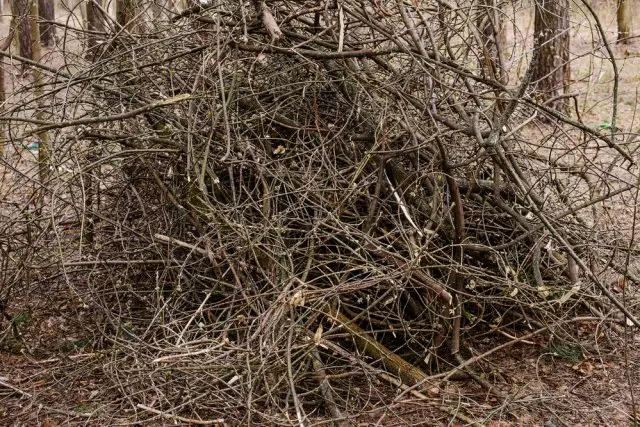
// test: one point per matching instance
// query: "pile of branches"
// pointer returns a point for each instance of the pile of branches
(265, 207)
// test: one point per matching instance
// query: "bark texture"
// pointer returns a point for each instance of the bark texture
(126, 11)
(20, 10)
(47, 14)
(552, 72)
(492, 29)
(623, 16)
(95, 24)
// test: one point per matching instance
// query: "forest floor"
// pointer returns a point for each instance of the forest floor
(56, 378)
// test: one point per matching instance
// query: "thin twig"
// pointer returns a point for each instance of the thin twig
(179, 418)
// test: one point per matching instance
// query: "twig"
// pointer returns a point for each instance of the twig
(407, 372)
(179, 418)
(302, 417)
(97, 120)
(171, 240)
(268, 20)
(325, 387)
(405, 389)
(17, 390)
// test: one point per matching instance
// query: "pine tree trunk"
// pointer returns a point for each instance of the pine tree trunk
(623, 15)
(20, 10)
(552, 72)
(47, 13)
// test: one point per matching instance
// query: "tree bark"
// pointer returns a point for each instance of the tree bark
(20, 10)
(95, 24)
(3, 95)
(492, 30)
(44, 149)
(126, 11)
(493, 36)
(552, 72)
(47, 14)
(623, 16)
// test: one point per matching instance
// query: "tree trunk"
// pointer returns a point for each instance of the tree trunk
(3, 95)
(552, 71)
(493, 36)
(95, 23)
(47, 13)
(44, 149)
(126, 11)
(623, 15)
(492, 31)
(20, 10)
(162, 8)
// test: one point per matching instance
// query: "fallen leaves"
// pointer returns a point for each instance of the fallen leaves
(585, 367)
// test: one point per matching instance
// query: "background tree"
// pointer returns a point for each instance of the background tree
(624, 18)
(552, 71)
(95, 24)
(47, 15)
(493, 40)
(126, 11)
(492, 28)
(20, 11)
(44, 150)
(3, 96)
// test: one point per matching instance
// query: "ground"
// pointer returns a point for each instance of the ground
(56, 377)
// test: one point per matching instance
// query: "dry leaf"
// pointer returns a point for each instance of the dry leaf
(297, 299)
(173, 99)
(318, 335)
(585, 368)
(543, 291)
(38, 383)
(619, 285)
